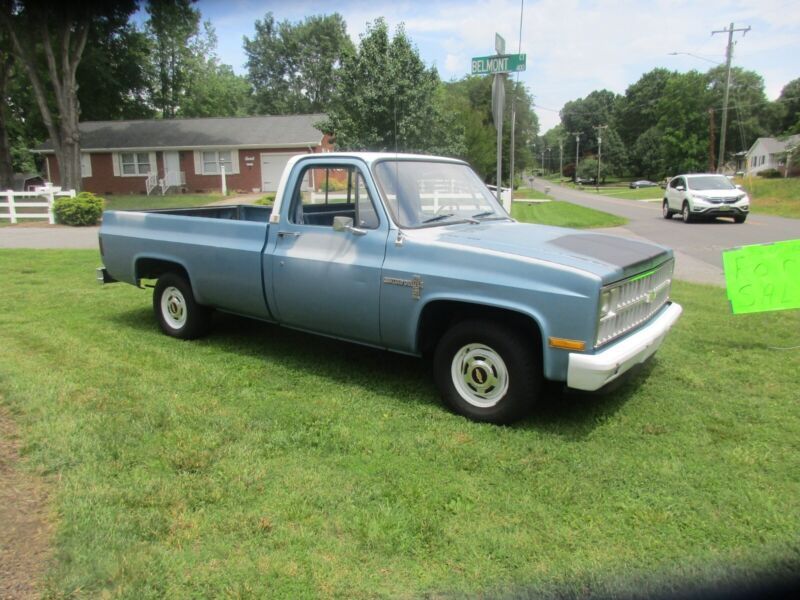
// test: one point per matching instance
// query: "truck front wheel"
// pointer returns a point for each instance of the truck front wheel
(179, 315)
(487, 371)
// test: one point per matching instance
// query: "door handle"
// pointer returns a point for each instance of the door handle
(284, 234)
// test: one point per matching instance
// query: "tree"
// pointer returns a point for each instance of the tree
(470, 101)
(216, 91)
(113, 76)
(587, 169)
(789, 103)
(386, 99)
(583, 114)
(683, 120)
(750, 114)
(647, 157)
(292, 66)
(637, 110)
(174, 31)
(49, 39)
(6, 64)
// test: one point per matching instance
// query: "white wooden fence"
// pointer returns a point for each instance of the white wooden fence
(42, 198)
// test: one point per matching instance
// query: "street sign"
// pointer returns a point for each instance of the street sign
(505, 63)
(499, 44)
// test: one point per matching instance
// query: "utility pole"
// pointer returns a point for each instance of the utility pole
(549, 164)
(728, 57)
(577, 135)
(599, 129)
(541, 162)
(711, 140)
(560, 159)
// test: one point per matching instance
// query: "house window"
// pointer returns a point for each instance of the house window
(135, 163)
(214, 161)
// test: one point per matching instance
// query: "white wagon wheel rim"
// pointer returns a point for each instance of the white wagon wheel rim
(480, 375)
(173, 307)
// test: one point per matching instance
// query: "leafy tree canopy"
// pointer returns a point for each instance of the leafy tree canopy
(293, 66)
(386, 99)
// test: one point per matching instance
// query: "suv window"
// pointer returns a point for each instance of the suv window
(323, 193)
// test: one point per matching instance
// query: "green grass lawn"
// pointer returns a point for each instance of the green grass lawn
(564, 214)
(779, 197)
(265, 462)
(140, 201)
(530, 194)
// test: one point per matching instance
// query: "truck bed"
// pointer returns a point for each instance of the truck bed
(238, 212)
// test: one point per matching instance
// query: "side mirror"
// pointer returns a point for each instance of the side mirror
(346, 224)
(680, 188)
(739, 187)
(342, 223)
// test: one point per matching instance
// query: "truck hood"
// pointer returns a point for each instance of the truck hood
(609, 257)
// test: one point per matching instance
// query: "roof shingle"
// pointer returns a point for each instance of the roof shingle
(261, 132)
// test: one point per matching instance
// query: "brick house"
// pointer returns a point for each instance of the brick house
(155, 156)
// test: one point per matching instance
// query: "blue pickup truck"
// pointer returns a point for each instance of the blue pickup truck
(410, 254)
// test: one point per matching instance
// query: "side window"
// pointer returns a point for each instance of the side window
(674, 183)
(323, 193)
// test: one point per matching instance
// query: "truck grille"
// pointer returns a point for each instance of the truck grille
(633, 301)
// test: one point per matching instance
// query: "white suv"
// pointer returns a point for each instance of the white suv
(705, 195)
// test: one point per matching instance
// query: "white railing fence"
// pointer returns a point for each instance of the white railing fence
(151, 182)
(172, 179)
(41, 198)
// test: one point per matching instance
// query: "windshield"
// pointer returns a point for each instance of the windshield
(420, 193)
(710, 182)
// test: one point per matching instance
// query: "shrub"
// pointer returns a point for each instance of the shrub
(266, 200)
(83, 209)
(770, 173)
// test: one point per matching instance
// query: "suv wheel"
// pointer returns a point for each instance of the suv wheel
(665, 211)
(686, 213)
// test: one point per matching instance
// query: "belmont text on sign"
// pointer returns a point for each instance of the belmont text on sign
(506, 63)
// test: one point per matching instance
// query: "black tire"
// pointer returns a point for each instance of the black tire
(739, 218)
(665, 210)
(178, 314)
(492, 391)
(686, 213)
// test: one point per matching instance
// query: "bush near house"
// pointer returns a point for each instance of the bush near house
(83, 209)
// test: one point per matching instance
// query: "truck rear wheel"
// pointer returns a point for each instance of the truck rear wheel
(178, 314)
(487, 371)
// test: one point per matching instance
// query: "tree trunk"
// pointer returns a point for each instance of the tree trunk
(6, 167)
(70, 38)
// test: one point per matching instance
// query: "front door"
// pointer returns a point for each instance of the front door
(172, 163)
(325, 280)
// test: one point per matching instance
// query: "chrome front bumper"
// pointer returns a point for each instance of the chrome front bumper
(592, 371)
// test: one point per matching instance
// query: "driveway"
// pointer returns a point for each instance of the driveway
(33, 235)
(698, 246)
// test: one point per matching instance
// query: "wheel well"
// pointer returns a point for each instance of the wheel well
(153, 268)
(438, 316)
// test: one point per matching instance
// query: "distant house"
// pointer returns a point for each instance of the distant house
(153, 156)
(768, 153)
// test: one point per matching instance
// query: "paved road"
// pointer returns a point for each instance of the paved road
(698, 246)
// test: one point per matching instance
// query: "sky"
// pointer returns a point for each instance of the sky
(573, 46)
